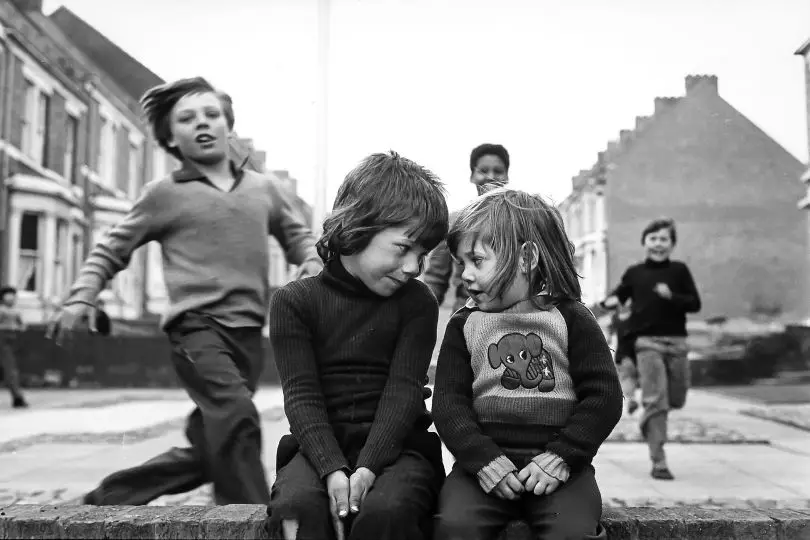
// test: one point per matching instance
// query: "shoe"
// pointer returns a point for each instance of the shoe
(19, 403)
(662, 473)
(632, 406)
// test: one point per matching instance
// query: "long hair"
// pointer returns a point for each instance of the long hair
(506, 220)
(384, 190)
(158, 102)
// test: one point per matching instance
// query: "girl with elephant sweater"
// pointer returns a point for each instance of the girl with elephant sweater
(526, 390)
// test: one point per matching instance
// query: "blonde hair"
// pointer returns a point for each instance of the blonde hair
(508, 220)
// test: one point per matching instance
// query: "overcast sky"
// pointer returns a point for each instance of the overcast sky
(551, 80)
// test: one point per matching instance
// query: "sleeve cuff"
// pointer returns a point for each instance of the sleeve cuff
(497, 469)
(553, 465)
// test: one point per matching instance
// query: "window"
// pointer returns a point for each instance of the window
(135, 170)
(41, 132)
(29, 269)
(78, 256)
(28, 118)
(60, 260)
(106, 152)
(159, 161)
(71, 136)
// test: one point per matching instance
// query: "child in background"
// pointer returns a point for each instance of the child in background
(663, 292)
(526, 390)
(353, 346)
(11, 324)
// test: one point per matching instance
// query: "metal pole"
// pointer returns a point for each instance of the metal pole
(321, 117)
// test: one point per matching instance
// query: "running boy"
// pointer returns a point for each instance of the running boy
(212, 218)
(11, 324)
(663, 292)
(489, 168)
(526, 390)
(353, 346)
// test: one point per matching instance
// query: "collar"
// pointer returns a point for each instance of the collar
(189, 172)
(337, 276)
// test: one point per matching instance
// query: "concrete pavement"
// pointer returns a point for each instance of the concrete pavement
(70, 439)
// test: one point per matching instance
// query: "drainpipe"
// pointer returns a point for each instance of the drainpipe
(7, 84)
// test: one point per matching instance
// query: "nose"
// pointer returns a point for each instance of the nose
(467, 275)
(412, 265)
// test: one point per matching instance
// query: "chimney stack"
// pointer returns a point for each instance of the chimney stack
(694, 81)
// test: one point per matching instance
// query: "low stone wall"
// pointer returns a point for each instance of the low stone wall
(246, 521)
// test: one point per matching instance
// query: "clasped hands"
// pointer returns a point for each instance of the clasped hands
(542, 476)
(346, 494)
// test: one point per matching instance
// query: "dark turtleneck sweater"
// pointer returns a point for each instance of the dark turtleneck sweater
(653, 315)
(348, 357)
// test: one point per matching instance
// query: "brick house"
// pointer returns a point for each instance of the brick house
(731, 189)
(73, 161)
(74, 156)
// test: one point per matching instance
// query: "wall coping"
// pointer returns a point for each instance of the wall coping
(246, 521)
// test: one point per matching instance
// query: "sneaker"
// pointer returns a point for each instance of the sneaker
(19, 403)
(662, 473)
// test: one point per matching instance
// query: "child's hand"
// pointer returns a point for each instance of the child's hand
(663, 290)
(337, 487)
(544, 474)
(509, 488)
(611, 302)
(359, 485)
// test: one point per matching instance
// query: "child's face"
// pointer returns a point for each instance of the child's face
(480, 268)
(9, 299)
(390, 260)
(658, 244)
(489, 169)
(199, 128)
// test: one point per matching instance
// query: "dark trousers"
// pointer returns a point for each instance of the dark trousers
(11, 375)
(572, 512)
(399, 506)
(220, 369)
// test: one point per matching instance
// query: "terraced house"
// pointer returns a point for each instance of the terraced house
(74, 155)
(731, 188)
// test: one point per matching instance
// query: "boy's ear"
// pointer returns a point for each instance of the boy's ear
(529, 257)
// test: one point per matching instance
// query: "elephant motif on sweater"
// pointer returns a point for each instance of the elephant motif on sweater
(526, 362)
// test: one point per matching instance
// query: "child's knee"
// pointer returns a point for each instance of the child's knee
(385, 510)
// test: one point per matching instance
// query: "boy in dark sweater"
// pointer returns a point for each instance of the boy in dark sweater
(212, 218)
(352, 347)
(662, 292)
(489, 168)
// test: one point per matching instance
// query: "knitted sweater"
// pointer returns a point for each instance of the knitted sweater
(524, 380)
(348, 356)
(653, 315)
(214, 244)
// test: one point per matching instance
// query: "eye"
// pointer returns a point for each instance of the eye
(402, 248)
(523, 355)
(510, 359)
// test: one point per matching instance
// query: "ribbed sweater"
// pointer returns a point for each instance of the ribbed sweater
(651, 314)
(524, 380)
(348, 356)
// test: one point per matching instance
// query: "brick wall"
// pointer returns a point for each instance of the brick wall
(732, 191)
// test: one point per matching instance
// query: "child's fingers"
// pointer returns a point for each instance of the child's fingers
(552, 487)
(525, 474)
(514, 484)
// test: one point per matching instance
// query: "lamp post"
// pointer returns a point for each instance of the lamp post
(321, 117)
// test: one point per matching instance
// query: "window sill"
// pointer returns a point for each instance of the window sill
(29, 162)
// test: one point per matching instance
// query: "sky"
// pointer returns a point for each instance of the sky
(552, 80)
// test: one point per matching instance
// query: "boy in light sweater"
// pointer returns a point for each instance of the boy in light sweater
(212, 218)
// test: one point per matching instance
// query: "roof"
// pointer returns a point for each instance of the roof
(804, 48)
(132, 76)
